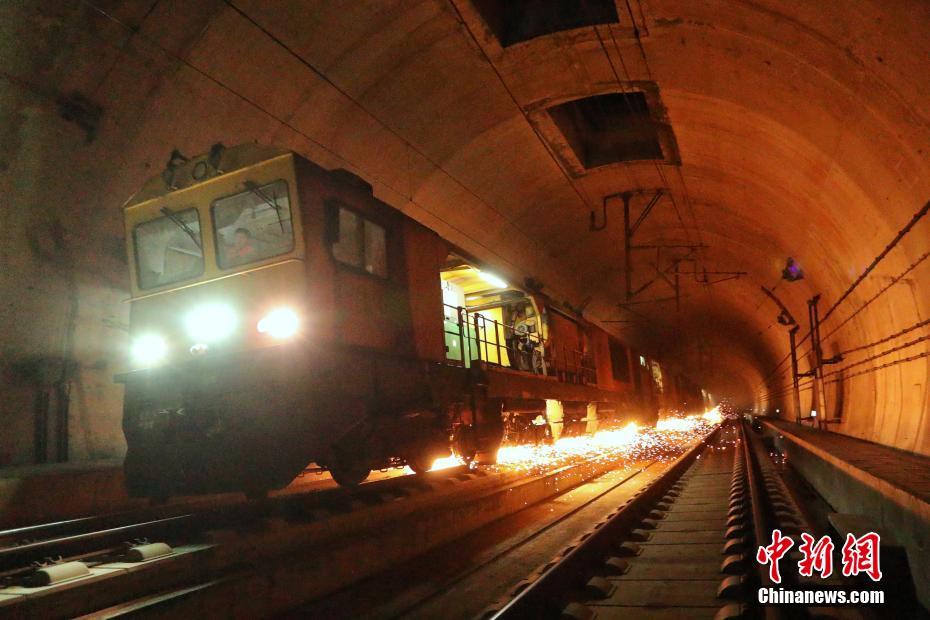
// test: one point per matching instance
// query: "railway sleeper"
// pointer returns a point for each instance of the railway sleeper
(667, 563)
(678, 572)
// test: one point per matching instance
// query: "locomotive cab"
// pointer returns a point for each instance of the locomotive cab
(217, 270)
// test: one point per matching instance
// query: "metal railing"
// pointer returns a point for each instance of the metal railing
(473, 337)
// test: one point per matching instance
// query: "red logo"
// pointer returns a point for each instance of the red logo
(771, 554)
(860, 555)
(817, 556)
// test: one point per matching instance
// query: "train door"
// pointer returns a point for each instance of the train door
(486, 320)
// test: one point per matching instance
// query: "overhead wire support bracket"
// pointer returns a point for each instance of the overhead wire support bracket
(626, 197)
(645, 212)
(785, 318)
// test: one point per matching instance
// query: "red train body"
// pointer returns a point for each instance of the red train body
(406, 347)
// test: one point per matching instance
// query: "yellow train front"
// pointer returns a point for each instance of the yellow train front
(274, 322)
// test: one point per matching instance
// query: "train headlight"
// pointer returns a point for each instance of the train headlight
(210, 323)
(149, 349)
(280, 323)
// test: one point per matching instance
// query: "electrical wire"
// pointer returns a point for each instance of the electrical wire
(918, 215)
(633, 114)
(136, 31)
(319, 73)
(578, 191)
(887, 338)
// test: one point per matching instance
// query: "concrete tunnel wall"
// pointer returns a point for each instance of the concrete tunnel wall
(802, 130)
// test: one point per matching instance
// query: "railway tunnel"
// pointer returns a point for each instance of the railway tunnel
(736, 189)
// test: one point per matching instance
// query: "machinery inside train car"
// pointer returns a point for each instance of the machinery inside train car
(282, 315)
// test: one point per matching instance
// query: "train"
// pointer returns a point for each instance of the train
(281, 315)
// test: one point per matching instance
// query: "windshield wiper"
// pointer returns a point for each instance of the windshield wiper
(171, 215)
(273, 203)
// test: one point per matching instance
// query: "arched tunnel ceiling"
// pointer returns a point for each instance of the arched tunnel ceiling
(802, 130)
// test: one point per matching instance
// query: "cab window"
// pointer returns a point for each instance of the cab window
(253, 225)
(360, 243)
(168, 249)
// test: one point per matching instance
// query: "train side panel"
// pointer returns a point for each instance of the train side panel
(425, 252)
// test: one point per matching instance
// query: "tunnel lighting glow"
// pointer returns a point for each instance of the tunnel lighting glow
(210, 323)
(149, 349)
(280, 323)
(492, 279)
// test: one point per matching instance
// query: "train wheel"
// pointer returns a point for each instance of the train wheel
(421, 464)
(349, 474)
(464, 444)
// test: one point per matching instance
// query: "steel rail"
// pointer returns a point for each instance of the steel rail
(523, 541)
(234, 561)
(535, 600)
(90, 542)
(95, 535)
(762, 521)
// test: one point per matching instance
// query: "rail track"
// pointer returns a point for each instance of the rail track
(105, 536)
(683, 548)
(672, 531)
(322, 538)
(678, 540)
(458, 579)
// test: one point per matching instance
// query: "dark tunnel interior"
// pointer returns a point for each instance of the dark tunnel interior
(707, 182)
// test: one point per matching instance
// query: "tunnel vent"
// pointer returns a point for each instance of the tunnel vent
(515, 21)
(608, 128)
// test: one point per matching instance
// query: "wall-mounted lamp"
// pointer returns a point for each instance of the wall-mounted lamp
(792, 271)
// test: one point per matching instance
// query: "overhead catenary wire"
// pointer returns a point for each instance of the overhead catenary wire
(645, 119)
(318, 72)
(632, 114)
(636, 115)
(372, 175)
(578, 191)
(642, 51)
